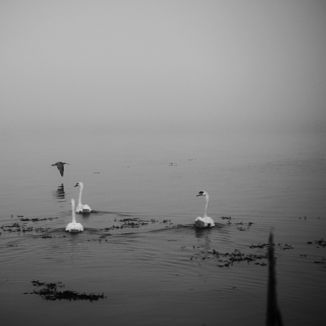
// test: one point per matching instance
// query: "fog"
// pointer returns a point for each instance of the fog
(191, 66)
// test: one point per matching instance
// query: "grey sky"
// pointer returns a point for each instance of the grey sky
(163, 64)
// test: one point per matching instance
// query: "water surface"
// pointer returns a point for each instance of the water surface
(161, 271)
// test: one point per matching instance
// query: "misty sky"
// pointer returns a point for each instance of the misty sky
(156, 65)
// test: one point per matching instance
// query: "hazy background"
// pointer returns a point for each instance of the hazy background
(228, 66)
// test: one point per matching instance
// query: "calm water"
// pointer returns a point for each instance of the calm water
(162, 272)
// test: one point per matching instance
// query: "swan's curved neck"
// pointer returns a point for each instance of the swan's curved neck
(80, 194)
(206, 205)
(73, 212)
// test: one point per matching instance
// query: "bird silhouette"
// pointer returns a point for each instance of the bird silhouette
(60, 166)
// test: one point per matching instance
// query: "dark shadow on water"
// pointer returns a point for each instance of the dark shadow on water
(201, 233)
(273, 314)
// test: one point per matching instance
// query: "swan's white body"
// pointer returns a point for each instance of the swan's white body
(74, 226)
(82, 208)
(204, 221)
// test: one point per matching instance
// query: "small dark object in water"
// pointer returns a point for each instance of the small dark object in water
(46, 236)
(258, 245)
(60, 166)
(241, 226)
(318, 243)
(285, 246)
(37, 283)
(50, 291)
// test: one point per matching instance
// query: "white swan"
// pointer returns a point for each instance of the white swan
(205, 221)
(74, 226)
(82, 208)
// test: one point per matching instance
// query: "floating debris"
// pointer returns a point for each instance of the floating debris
(52, 292)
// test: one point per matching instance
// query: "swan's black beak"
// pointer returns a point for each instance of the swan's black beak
(76, 185)
(200, 193)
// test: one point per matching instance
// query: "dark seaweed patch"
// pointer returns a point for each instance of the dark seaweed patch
(321, 261)
(52, 292)
(283, 246)
(236, 256)
(16, 227)
(37, 219)
(133, 222)
(21, 228)
(318, 243)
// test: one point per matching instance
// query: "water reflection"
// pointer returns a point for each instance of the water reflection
(202, 232)
(205, 235)
(60, 192)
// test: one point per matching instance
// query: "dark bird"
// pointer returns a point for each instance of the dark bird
(60, 166)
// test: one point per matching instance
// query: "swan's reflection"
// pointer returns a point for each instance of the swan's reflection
(60, 192)
(202, 232)
(205, 235)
